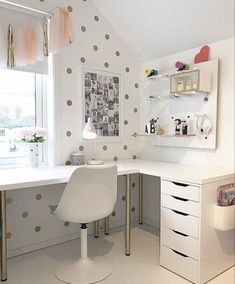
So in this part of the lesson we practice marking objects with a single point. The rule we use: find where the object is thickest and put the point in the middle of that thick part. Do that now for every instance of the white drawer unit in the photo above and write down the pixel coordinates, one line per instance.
(181, 204)
(180, 222)
(179, 263)
(179, 189)
(180, 242)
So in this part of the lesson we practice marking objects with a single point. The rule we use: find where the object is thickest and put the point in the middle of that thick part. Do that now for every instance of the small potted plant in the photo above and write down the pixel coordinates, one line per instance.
(32, 137)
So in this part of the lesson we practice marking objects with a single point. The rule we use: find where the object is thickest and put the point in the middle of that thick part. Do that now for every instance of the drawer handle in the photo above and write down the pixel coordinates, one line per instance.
(179, 233)
(181, 213)
(180, 184)
(181, 254)
(180, 198)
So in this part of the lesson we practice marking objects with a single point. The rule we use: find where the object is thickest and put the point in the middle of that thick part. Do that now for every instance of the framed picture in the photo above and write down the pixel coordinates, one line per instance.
(101, 93)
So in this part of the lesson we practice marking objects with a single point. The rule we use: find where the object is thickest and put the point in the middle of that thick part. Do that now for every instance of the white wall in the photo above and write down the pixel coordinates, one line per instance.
(67, 118)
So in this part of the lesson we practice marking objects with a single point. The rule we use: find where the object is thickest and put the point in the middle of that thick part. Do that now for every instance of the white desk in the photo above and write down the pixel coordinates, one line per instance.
(18, 178)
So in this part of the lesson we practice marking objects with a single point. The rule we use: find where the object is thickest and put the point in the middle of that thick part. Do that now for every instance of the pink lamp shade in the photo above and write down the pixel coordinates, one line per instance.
(89, 131)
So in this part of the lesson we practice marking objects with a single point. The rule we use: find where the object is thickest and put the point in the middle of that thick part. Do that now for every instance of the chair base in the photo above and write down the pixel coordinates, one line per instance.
(83, 271)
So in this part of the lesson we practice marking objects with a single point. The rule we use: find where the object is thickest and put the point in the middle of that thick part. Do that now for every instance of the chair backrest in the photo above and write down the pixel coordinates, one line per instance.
(89, 195)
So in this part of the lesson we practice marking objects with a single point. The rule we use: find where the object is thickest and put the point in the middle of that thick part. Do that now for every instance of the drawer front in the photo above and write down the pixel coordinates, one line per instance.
(181, 204)
(174, 220)
(180, 190)
(180, 242)
(182, 265)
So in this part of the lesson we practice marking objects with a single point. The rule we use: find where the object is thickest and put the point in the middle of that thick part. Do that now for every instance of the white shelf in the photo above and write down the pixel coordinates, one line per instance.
(162, 136)
(159, 77)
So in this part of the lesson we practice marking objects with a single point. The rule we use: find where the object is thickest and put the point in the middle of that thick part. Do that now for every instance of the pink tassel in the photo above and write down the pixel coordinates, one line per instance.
(30, 39)
(66, 25)
(20, 47)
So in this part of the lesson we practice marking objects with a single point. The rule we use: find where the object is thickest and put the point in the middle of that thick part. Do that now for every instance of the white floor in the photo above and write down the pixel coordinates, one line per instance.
(142, 267)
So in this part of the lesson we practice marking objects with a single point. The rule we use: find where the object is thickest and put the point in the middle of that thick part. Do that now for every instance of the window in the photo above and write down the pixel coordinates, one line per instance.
(21, 105)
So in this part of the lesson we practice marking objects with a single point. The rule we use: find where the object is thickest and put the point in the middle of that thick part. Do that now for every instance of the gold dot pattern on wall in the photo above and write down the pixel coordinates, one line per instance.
(70, 9)
(123, 198)
(126, 97)
(67, 163)
(83, 29)
(105, 148)
(38, 197)
(69, 102)
(69, 70)
(68, 133)
(37, 229)
(133, 184)
(115, 158)
(106, 64)
(107, 36)
(81, 148)
(134, 157)
(125, 122)
(82, 59)
(96, 18)
(95, 47)
(133, 209)
(9, 200)
(136, 85)
(127, 69)
(125, 147)
(25, 214)
(113, 213)
(135, 110)
(8, 235)
(117, 53)
(66, 224)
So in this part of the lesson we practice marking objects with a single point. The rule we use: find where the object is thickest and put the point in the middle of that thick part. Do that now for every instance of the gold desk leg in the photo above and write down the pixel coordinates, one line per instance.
(128, 216)
(96, 229)
(3, 252)
(106, 225)
(140, 199)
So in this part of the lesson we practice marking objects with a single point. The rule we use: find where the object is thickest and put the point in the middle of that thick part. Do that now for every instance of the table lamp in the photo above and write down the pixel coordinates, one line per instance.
(89, 132)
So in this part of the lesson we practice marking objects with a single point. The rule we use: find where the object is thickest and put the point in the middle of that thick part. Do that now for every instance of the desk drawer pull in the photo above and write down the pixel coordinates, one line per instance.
(181, 213)
(180, 184)
(181, 254)
(180, 198)
(179, 233)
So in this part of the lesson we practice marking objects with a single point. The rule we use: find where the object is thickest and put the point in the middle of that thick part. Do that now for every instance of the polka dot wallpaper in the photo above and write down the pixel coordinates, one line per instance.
(96, 44)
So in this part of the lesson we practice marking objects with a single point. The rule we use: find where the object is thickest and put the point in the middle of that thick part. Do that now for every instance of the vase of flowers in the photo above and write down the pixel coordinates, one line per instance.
(32, 137)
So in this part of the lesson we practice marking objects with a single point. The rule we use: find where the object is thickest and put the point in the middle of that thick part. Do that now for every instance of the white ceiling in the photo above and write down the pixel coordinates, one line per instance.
(155, 28)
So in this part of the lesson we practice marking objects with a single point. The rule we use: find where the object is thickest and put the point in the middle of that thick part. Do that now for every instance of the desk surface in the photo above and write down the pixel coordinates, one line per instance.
(17, 178)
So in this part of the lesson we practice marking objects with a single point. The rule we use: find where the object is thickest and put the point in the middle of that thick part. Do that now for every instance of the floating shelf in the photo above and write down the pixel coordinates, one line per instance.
(162, 136)
(157, 77)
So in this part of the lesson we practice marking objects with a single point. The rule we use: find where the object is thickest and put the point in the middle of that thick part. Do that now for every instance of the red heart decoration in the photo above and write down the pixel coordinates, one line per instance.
(203, 55)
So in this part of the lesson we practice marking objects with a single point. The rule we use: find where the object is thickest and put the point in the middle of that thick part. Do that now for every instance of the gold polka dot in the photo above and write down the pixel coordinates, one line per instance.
(69, 102)
(39, 196)
(68, 133)
(113, 213)
(95, 47)
(83, 29)
(9, 200)
(96, 18)
(133, 209)
(127, 69)
(81, 148)
(115, 158)
(126, 97)
(25, 214)
(105, 148)
(125, 147)
(135, 109)
(123, 198)
(67, 163)
(133, 184)
(66, 224)
(37, 229)
(8, 235)
(106, 65)
(117, 53)
(125, 122)
(107, 36)
(136, 85)
(69, 71)
(82, 59)
(134, 157)
(70, 9)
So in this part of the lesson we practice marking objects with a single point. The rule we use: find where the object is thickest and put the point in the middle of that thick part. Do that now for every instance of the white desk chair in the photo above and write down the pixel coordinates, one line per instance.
(89, 195)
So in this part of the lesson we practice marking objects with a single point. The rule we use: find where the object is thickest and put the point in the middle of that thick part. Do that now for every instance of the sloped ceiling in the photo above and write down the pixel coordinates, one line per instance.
(155, 28)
